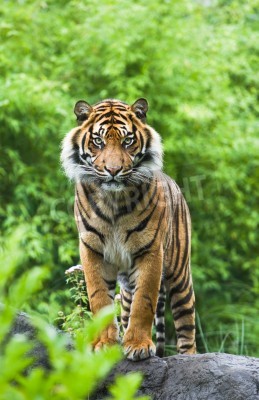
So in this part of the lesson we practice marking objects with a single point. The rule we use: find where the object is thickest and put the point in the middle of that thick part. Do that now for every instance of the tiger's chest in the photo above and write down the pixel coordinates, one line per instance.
(115, 232)
(116, 251)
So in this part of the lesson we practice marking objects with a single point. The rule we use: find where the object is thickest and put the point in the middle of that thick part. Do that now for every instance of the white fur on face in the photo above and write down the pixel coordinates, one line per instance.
(84, 172)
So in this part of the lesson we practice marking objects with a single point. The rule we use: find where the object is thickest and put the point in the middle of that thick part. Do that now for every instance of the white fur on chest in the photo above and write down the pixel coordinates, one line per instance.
(116, 253)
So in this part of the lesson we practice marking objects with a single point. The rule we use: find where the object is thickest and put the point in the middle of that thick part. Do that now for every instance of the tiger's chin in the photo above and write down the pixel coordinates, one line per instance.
(113, 186)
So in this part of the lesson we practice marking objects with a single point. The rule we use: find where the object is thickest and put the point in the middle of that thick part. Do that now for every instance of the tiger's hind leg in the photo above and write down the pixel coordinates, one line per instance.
(126, 299)
(160, 322)
(182, 300)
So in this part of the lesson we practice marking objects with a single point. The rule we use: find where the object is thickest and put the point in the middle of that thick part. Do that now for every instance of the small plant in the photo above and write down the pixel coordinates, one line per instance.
(80, 314)
(75, 320)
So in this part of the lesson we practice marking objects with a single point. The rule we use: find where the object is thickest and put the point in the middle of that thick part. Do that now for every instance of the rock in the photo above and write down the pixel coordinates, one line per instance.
(212, 376)
(23, 325)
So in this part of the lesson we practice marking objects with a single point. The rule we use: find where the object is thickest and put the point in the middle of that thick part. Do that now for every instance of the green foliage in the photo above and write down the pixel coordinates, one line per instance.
(198, 66)
(75, 372)
(75, 320)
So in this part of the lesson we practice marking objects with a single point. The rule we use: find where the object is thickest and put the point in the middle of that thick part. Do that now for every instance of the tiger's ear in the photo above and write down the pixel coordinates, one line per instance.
(140, 108)
(82, 110)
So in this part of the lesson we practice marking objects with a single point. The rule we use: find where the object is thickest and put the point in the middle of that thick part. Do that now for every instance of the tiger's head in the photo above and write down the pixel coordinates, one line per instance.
(112, 146)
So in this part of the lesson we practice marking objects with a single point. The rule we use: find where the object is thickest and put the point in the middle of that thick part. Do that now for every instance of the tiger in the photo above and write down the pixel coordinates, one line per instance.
(134, 227)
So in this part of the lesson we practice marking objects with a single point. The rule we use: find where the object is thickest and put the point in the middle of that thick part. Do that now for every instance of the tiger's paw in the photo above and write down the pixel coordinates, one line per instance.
(109, 337)
(139, 350)
(102, 343)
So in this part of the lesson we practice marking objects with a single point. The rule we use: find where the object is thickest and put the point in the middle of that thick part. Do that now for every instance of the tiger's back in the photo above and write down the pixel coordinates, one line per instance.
(134, 225)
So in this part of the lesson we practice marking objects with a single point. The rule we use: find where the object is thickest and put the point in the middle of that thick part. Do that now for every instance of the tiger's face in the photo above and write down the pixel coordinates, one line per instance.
(113, 146)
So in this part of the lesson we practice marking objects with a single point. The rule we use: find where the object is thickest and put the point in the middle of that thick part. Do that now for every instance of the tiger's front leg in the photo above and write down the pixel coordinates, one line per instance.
(137, 341)
(100, 292)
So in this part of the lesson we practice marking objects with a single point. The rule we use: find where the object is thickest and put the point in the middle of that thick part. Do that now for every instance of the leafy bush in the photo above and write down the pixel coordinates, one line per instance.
(74, 373)
(197, 65)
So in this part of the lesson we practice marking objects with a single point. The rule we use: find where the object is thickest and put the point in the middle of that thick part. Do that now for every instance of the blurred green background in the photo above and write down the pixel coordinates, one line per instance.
(197, 64)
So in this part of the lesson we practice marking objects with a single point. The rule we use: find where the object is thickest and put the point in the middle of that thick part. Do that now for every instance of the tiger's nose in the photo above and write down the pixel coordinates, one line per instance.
(113, 170)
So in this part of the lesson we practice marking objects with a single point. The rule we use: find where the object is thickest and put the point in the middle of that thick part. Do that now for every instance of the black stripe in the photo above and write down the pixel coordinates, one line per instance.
(185, 282)
(160, 313)
(142, 225)
(173, 233)
(110, 282)
(160, 327)
(124, 298)
(185, 260)
(181, 287)
(140, 137)
(186, 346)
(91, 248)
(160, 304)
(148, 138)
(105, 121)
(118, 122)
(125, 318)
(182, 336)
(186, 253)
(90, 228)
(177, 241)
(102, 107)
(135, 148)
(150, 199)
(132, 272)
(95, 292)
(145, 248)
(148, 298)
(75, 137)
(160, 340)
(123, 117)
(148, 156)
(133, 288)
(81, 205)
(184, 300)
(96, 209)
(111, 287)
(83, 143)
(106, 115)
(75, 158)
(90, 129)
(127, 309)
(183, 313)
(184, 213)
(130, 207)
(185, 328)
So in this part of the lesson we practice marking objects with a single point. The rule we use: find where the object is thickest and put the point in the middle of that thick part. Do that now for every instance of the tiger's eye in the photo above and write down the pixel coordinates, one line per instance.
(98, 141)
(128, 141)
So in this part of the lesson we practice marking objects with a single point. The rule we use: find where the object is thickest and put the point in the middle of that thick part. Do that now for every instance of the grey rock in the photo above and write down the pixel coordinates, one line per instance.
(23, 325)
(212, 376)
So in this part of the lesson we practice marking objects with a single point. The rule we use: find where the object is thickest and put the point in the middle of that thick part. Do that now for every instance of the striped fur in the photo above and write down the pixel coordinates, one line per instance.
(134, 226)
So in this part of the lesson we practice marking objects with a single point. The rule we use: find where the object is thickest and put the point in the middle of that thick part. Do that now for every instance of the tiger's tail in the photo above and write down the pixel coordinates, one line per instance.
(160, 322)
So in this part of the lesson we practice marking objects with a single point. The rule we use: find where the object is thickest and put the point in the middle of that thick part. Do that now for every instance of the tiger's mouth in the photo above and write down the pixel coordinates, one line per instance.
(115, 183)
